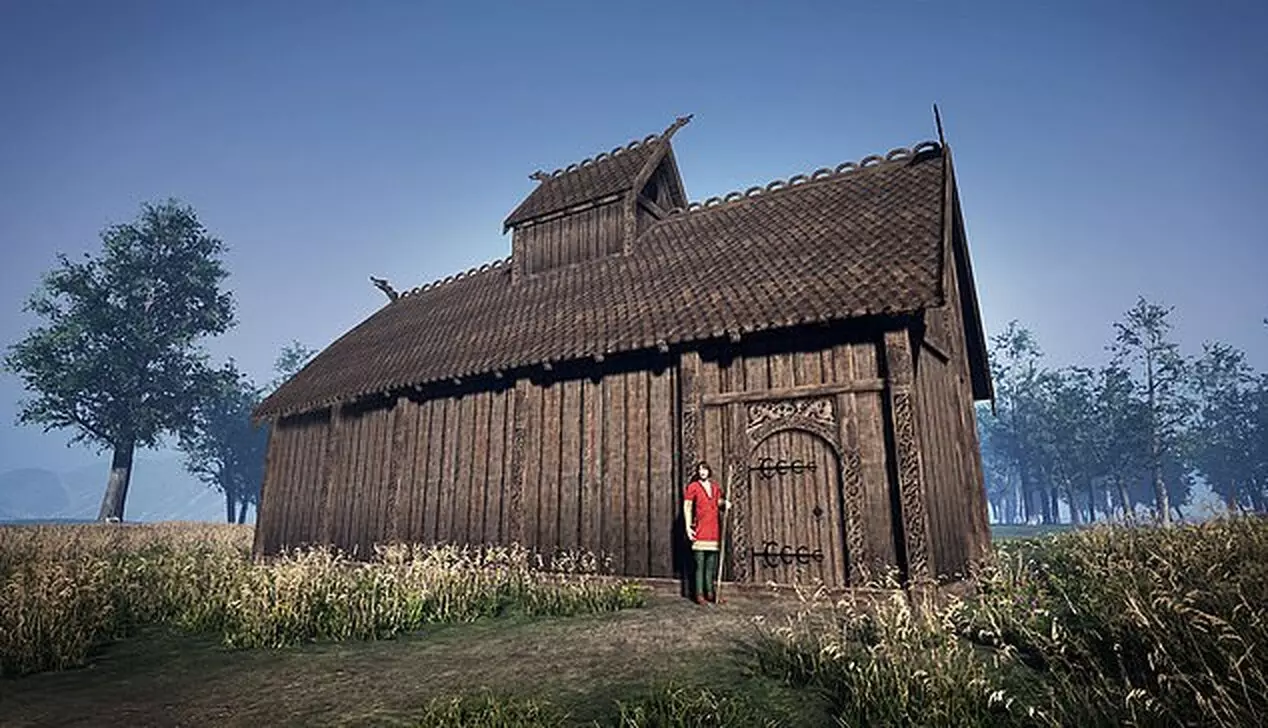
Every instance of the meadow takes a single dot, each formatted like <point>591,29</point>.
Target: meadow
<point>1104,626</point>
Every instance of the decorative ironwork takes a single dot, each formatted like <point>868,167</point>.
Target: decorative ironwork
<point>768,468</point>
<point>773,555</point>
<point>816,410</point>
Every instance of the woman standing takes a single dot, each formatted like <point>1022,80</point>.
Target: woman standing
<point>701,505</point>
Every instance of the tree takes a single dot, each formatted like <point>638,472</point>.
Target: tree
<point>1224,431</point>
<point>1141,342</point>
<point>294,356</point>
<point>1067,432</point>
<point>1120,432</point>
<point>223,447</point>
<point>1015,357</point>
<point>117,360</point>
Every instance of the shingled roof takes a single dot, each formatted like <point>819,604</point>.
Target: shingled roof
<point>858,240</point>
<point>606,174</point>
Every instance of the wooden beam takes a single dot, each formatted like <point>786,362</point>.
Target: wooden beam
<point>691,402</point>
<point>911,491</point>
<point>396,467</point>
<point>515,479</point>
<point>330,469</point>
<point>652,207</point>
<point>807,390</point>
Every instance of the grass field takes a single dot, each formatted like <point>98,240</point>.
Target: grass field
<point>1106,626</point>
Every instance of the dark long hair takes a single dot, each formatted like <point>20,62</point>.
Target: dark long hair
<point>696,472</point>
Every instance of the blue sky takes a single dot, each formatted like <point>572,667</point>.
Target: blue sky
<point>1104,150</point>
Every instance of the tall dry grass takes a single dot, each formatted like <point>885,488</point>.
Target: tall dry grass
<point>1109,626</point>
<point>66,589</point>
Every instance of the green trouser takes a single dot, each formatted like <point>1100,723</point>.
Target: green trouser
<point>706,568</point>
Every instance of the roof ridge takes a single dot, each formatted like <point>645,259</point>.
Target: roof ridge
<point>872,161</point>
<point>482,268</point>
<point>541,176</point>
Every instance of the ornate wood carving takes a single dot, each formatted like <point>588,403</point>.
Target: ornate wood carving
<point>689,366</point>
<point>515,513</point>
<point>818,410</point>
<point>911,492</point>
<point>741,448</point>
<point>910,487</point>
<point>852,483</point>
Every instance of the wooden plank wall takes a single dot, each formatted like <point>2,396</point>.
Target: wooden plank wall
<point>600,468</point>
<point>822,356</point>
<point>582,235</point>
<point>958,519</point>
<point>290,509</point>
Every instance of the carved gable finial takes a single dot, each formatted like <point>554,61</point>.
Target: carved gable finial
<point>383,285</point>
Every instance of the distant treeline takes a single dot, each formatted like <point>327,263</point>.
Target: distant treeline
<point>1131,438</point>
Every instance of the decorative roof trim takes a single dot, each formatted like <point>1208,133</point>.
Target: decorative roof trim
<point>492,265</point>
<point>900,154</point>
<point>679,123</point>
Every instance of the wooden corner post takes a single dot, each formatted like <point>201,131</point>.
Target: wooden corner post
<point>911,491</point>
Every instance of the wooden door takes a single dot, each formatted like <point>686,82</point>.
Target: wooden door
<point>795,524</point>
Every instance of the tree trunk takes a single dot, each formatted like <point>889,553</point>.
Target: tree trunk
<point>117,484</point>
<point>242,511</point>
<point>1230,498</point>
<point>229,503</point>
<point>1091,501</point>
<point>1124,499</point>
<point>1257,500</point>
<point>1155,445</point>
<point>1075,516</point>
<point>1160,486</point>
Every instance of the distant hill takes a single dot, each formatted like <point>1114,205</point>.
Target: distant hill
<point>160,490</point>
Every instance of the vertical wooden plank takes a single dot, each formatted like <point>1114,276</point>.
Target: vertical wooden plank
<point>402,509</point>
<point>879,527</point>
<point>363,499</point>
<point>330,472</point>
<point>397,469</point>
<point>533,465</point>
<point>307,457</point>
<point>375,509</point>
<point>423,529</point>
<point>515,517</point>
<point>570,465</point>
<point>710,443</point>
<point>439,443</point>
<point>636,485</point>
<point>548,494</point>
<point>898,365</point>
<point>290,504</point>
<point>614,470</point>
<point>478,491</point>
<point>733,468</point>
<point>494,469</point>
<point>460,494</point>
<point>272,497</point>
<point>661,477</point>
<point>691,430</point>
<point>591,504</point>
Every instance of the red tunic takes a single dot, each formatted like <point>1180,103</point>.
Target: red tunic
<point>704,510</point>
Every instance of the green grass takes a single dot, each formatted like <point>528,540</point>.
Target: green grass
<point>1101,626</point>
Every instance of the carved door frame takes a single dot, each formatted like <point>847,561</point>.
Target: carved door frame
<point>752,422</point>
